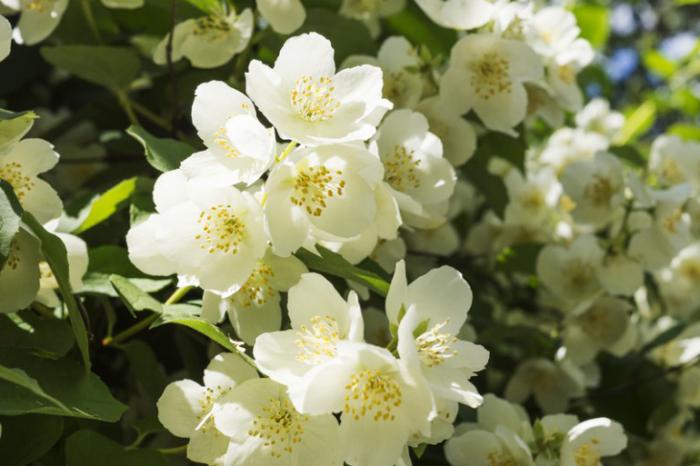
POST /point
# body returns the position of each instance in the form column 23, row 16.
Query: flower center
column 205, row 421
column 567, row 74
column 371, row 392
column 587, row 454
column 313, row 100
column 400, row 169
column 21, row 183
column 501, row 459
column 670, row 171
column 280, row 426
column 14, row 257
column 313, row 186
column 221, row 230
column 672, row 221
column 318, row 343
column 40, row 6
column 490, row 76
column 214, row 28
column 580, row 273
column 690, row 270
column 600, row 191
column 434, row 347
column 257, row 289
column 221, row 140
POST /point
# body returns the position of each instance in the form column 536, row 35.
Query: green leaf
column 348, row 36
column 88, row 448
column 415, row 26
column 207, row 6
column 162, row 153
column 658, row 64
column 594, row 22
column 54, row 252
column 637, row 123
column 44, row 432
column 10, row 219
column 685, row 131
column 108, row 260
column 108, row 203
column 112, row 67
column 135, row 299
column 147, row 371
column 519, row 258
column 20, row 378
column 43, row 335
column 14, row 125
column 334, row 264
column 629, row 154
column 81, row 394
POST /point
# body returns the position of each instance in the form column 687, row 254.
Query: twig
column 171, row 69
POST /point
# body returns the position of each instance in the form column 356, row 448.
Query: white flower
column 513, row 20
column 255, row 308
column 596, row 188
column 264, row 429
column 381, row 402
column 567, row 145
column 682, row 349
column 285, row 16
column 571, row 273
column 239, row 147
column 399, row 61
column 679, row 283
column 457, row 134
column 596, row 116
column 621, row 274
column 549, row 384
column 486, row 74
column 482, row 448
column 328, row 192
column 458, row 14
column 210, row 236
column 421, row 180
column 599, row 327
column 77, row 255
column 674, row 161
column 586, row 443
column 20, row 165
column 187, row 409
column 554, row 34
column 320, row 319
column 5, row 38
column 208, row 41
column 38, row 18
column 20, row 276
column 436, row 306
column 370, row 11
column 308, row 102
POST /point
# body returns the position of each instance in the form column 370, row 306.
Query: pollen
column 214, row 28
column 221, row 231
column 490, row 76
column 434, row 347
column 400, row 169
column 21, row 183
column 221, row 140
column 587, row 454
column 280, row 426
column 600, row 191
column 257, row 289
column 313, row 187
column 39, row 6
column 14, row 257
column 501, row 459
column 205, row 421
column 372, row 393
column 318, row 342
column 567, row 74
column 579, row 273
column 313, row 100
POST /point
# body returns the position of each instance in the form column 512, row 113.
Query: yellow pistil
column 222, row 140
column 370, row 392
column 501, row 459
column 257, row 289
column 313, row 100
column 280, row 426
column 587, row 454
column 215, row 28
column 490, row 76
column 221, row 230
column 21, row 183
column 318, row 342
column 600, row 191
column 434, row 347
column 400, row 169
column 313, row 186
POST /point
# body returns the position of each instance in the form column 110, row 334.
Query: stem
column 128, row 109
column 287, row 150
column 90, row 18
column 150, row 115
column 173, row 451
column 145, row 323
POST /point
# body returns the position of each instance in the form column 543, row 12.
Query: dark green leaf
column 147, row 371
column 88, row 448
column 43, row 335
column 519, row 258
column 162, row 153
column 44, row 432
column 349, row 36
column 135, row 299
column 334, row 264
column 415, row 26
column 82, row 393
column 112, row 67
column 10, row 219
column 54, row 252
